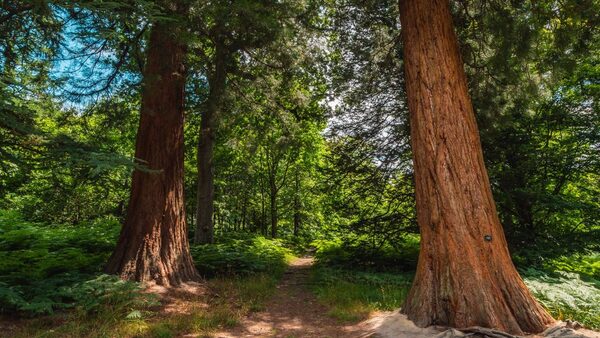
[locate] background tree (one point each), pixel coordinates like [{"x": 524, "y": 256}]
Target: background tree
[
  {"x": 56, "y": 157},
  {"x": 227, "y": 30},
  {"x": 368, "y": 134}
]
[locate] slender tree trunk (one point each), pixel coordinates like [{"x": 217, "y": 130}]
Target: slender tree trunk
[
  {"x": 244, "y": 211},
  {"x": 297, "y": 205},
  {"x": 206, "y": 190},
  {"x": 296, "y": 220},
  {"x": 153, "y": 244},
  {"x": 263, "y": 212},
  {"x": 525, "y": 215},
  {"x": 465, "y": 275},
  {"x": 274, "y": 216},
  {"x": 206, "y": 143},
  {"x": 263, "y": 219}
]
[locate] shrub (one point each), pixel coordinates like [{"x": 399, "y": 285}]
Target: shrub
[
  {"x": 586, "y": 265},
  {"x": 566, "y": 295},
  {"x": 112, "y": 294},
  {"x": 40, "y": 264},
  {"x": 362, "y": 255},
  {"x": 241, "y": 256}
]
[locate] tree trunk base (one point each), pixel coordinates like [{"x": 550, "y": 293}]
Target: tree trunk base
[{"x": 142, "y": 265}]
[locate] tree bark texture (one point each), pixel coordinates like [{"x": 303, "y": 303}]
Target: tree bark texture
[
  {"x": 465, "y": 276},
  {"x": 153, "y": 244},
  {"x": 206, "y": 143}
]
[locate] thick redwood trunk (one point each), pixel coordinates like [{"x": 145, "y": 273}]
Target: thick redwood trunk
[
  {"x": 465, "y": 275},
  {"x": 206, "y": 143},
  {"x": 153, "y": 245}
]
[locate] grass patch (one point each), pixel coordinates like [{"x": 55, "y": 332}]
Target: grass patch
[
  {"x": 200, "y": 321},
  {"x": 353, "y": 295},
  {"x": 233, "y": 298}
]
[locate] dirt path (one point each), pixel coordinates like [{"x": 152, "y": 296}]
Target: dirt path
[{"x": 293, "y": 312}]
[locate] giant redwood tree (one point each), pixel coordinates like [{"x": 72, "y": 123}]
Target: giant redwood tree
[
  {"x": 153, "y": 244},
  {"x": 465, "y": 276},
  {"x": 229, "y": 28}
]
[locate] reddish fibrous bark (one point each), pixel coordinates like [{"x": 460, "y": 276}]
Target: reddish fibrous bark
[
  {"x": 465, "y": 276},
  {"x": 153, "y": 244}
]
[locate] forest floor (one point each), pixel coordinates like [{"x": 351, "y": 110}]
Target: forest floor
[
  {"x": 254, "y": 306},
  {"x": 293, "y": 311}
]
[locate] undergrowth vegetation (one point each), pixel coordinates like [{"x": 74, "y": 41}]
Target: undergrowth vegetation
[
  {"x": 198, "y": 315},
  {"x": 241, "y": 255},
  {"x": 569, "y": 287},
  {"x": 354, "y": 282},
  {"x": 51, "y": 282},
  {"x": 360, "y": 254},
  {"x": 47, "y": 267},
  {"x": 566, "y": 295},
  {"x": 51, "y": 279},
  {"x": 356, "y": 279}
]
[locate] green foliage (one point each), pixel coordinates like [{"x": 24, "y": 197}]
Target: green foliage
[
  {"x": 566, "y": 295},
  {"x": 368, "y": 182},
  {"x": 40, "y": 265},
  {"x": 362, "y": 255},
  {"x": 586, "y": 265},
  {"x": 111, "y": 294},
  {"x": 75, "y": 166},
  {"x": 353, "y": 295},
  {"x": 241, "y": 255},
  {"x": 89, "y": 296},
  {"x": 533, "y": 69}
]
